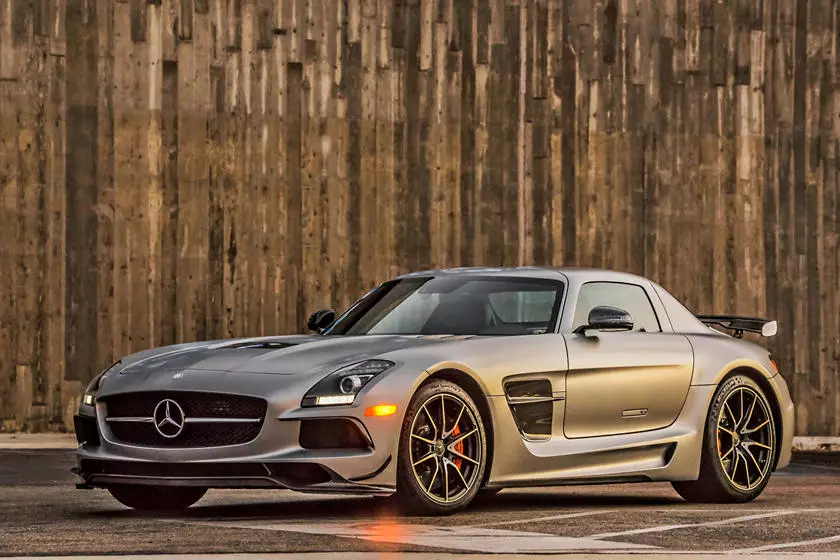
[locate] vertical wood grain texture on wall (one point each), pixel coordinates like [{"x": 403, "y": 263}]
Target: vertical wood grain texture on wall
[{"x": 178, "y": 170}]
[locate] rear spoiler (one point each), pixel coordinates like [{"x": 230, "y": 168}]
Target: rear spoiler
[{"x": 764, "y": 327}]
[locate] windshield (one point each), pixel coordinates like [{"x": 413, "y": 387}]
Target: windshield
[{"x": 459, "y": 306}]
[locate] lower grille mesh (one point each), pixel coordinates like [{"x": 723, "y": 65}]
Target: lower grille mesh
[{"x": 194, "y": 435}]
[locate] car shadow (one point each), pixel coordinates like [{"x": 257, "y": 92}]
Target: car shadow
[
  {"x": 354, "y": 508},
  {"x": 515, "y": 501}
]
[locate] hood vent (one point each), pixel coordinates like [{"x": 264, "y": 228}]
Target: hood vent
[{"x": 264, "y": 345}]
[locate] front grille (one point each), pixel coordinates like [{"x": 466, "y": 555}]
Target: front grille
[{"x": 209, "y": 419}]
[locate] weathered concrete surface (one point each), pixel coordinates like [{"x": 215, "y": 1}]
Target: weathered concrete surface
[{"x": 42, "y": 513}]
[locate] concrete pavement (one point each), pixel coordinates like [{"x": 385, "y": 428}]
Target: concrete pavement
[{"x": 42, "y": 513}]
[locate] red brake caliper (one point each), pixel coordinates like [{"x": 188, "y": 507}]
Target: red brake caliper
[{"x": 459, "y": 447}]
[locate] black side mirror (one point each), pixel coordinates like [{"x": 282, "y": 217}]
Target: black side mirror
[
  {"x": 320, "y": 320},
  {"x": 605, "y": 318}
]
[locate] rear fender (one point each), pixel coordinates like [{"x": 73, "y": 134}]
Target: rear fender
[{"x": 716, "y": 355}]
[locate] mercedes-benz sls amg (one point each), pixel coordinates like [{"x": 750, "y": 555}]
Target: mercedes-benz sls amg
[{"x": 437, "y": 386}]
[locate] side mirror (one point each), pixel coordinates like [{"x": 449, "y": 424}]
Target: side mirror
[
  {"x": 320, "y": 320},
  {"x": 605, "y": 318}
]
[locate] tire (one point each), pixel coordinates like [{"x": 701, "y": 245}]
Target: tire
[
  {"x": 439, "y": 470},
  {"x": 156, "y": 498},
  {"x": 729, "y": 439}
]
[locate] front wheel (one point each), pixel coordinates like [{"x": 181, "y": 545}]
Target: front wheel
[
  {"x": 156, "y": 498},
  {"x": 739, "y": 446},
  {"x": 442, "y": 453}
]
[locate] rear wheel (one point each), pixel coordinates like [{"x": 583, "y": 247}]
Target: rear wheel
[
  {"x": 442, "y": 450},
  {"x": 156, "y": 498},
  {"x": 739, "y": 446}
]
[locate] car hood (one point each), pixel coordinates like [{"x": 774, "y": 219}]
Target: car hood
[{"x": 285, "y": 355}]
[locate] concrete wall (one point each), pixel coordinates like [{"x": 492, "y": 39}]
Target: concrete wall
[{"x": 188, "y": 169}]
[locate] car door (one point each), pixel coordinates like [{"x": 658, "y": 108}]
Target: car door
[{"x": 623, "y": 382}]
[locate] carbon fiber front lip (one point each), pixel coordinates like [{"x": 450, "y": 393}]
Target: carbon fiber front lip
[
  {"x": 103, "y": 480},
  {"x": 337, "y": 484}
]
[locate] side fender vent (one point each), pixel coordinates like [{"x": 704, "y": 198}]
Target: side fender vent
[{"x": 532, "y": 405}]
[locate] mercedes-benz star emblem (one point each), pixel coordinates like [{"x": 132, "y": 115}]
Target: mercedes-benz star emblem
[{"x": 169, "y": 418}]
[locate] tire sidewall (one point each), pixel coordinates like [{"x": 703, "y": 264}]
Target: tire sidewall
[
  {"x": 413, "y": 496},
  {"x": 710, "y": 451}
]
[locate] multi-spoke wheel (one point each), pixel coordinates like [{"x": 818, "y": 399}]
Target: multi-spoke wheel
[
  {"x": 738, "y": 447},
  {"x": 442, "y": 450},
  {"x": 745, "y": 438}
]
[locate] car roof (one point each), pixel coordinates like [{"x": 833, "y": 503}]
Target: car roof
[{"x": 570, "y": 273}]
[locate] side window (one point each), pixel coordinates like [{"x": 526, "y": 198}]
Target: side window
[
  {"x": 522, "y": 306},
  {"x": 629, "y": 297}
]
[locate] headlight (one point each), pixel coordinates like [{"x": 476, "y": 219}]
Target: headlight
[
  {"x": 342, "y": 386},
  {"x": 89, "y": 396}
]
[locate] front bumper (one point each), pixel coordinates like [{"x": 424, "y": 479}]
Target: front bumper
[{"x": 274, "y": 459}]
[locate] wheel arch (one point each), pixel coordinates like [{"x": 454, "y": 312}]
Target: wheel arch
[{"x": 474, "y": 389}]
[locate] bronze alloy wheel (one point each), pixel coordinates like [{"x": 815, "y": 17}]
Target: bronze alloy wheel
[
  {"x": 442, "y": 457},
  {"x": 445, "y": 448},
  {"x": 739, "y": 446},
  {"x": 745, "y": 436}
]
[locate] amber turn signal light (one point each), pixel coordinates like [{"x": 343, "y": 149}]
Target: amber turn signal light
[{"x": 381, "y": 410}]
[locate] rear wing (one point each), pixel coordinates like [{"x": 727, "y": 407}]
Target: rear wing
[{"x": 764, "y": 327}]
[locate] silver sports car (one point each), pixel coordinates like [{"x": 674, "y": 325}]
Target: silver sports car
[{"x": 437, "y": 386}]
